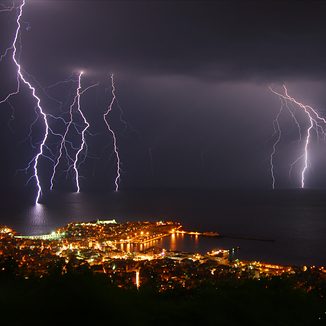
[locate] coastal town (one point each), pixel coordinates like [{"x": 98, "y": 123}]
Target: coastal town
[{"x": 123, "y": 252}]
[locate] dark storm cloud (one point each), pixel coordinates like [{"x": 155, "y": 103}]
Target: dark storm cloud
[{"x": 212, "y": 40}]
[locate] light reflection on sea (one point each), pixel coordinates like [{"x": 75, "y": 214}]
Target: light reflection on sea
[
  {"x": 38, "y": 218},
  {"x": 185, "y": 242}
]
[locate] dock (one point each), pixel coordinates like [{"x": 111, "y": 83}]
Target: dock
[{"x": 217, "y": 235}]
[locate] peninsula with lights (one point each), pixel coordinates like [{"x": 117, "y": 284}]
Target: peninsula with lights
[
  {"x": 101, "y": 246},
  {"x": 125, "y": 251}
]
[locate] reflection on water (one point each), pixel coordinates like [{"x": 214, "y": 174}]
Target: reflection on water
[
  {"x": 196, "y": 241},
  {"x": 183, "y": 242},
  {"x": 37, "y": 213},
  {"x": 42, "y": 218},
  {"x": 173, "y": 242},
  {"x": 37, "y": 218},
  {"x": 131, "y": 247}
]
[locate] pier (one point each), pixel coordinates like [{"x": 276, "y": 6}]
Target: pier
[{"x": 217, "y": 235}]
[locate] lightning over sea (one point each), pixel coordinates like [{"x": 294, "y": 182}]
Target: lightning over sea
[
  {"x": 55, "y": 124},
  {"x": 312, "y": 129}
]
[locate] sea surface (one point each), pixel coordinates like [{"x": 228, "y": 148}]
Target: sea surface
[{"x": 295, "y": 219}]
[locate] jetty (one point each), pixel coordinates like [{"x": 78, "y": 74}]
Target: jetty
[{"x": 217, "y": 235}]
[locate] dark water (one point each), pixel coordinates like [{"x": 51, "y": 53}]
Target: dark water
[{"x": 295, "y": 219}]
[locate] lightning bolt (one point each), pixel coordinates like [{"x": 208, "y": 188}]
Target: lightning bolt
[
  {"x": 63, "y": 138},
  {"x": 13, "y": 47},
  {"x": 19, "y": 76},
  {"x": 7, "y": 9},
  {"x": 83, "y": 143},
  {"x": 62, "y": 145},
  {"x": 316, "y": 123},
  {"x": 115, "y": 149},
  {"x": 277, "y": 131}
]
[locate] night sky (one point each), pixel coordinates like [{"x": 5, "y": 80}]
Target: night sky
[{"x": 191, "y": 78}]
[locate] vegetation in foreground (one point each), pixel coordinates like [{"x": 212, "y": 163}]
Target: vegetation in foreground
[{"x": 81, "y": 297}]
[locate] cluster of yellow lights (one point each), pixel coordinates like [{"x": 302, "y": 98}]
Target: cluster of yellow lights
[
  {"x": 5, "y": 230},
  {"x": 143, "y": 237}
]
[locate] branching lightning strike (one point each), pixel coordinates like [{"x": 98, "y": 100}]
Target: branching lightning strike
[
  {"x": 316, "y": 122},
  {"x": 21, "y": 77}
]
